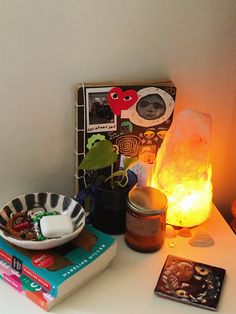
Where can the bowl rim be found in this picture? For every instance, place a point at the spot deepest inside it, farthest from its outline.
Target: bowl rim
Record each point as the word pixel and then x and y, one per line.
pixel 22 195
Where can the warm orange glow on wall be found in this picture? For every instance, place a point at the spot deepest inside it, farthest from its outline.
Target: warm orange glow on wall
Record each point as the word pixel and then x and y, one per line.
pixel 182 169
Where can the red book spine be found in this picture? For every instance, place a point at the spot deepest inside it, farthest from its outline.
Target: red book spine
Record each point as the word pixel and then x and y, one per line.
pixel 26 271
pixel 5 256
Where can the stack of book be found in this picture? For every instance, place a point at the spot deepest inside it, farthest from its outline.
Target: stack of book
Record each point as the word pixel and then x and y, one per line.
pixel 48 276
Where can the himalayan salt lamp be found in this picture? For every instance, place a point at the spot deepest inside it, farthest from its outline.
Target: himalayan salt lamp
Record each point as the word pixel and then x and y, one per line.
pixel 182 169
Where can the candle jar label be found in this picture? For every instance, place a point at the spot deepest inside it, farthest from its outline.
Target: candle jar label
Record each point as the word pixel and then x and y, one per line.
pixel 144 227
pixel 145 219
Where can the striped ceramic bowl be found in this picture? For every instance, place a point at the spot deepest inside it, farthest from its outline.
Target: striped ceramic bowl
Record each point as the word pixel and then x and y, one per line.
pixel 49 202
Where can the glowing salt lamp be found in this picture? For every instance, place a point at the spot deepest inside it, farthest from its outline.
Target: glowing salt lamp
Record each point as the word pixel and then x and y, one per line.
pixel 182 169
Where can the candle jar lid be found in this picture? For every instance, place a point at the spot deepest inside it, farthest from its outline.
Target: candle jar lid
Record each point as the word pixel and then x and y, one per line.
pixel 147 200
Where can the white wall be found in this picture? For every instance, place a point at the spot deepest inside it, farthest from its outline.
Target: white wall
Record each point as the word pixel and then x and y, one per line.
pixel 46 47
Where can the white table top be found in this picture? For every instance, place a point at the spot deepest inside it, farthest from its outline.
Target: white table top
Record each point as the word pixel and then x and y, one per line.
pixel 127 285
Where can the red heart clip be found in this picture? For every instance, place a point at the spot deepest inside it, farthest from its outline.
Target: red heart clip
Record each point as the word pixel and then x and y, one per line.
pixel 121 100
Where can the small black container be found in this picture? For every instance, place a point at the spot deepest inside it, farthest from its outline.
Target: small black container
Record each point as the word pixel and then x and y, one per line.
pixel 108 207
pixel 109 211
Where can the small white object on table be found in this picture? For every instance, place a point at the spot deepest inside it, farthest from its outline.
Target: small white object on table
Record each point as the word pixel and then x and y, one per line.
pixel 56 226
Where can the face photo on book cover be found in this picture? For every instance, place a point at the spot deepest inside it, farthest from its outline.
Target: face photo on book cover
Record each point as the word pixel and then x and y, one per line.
pixel 151 107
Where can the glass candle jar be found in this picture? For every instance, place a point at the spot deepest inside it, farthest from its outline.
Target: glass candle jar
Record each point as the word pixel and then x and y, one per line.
pixel 145 219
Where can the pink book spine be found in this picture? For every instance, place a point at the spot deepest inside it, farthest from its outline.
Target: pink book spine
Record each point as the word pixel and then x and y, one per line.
pixel 25 286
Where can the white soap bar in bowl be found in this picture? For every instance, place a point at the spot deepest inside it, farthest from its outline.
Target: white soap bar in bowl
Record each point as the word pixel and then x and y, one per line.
pixel 56 226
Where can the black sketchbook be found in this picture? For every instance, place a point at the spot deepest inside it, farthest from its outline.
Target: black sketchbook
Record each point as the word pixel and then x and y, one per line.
pixel 133 116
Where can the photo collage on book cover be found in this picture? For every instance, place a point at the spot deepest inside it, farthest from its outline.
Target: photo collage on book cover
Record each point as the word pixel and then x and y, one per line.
pixel 134 118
